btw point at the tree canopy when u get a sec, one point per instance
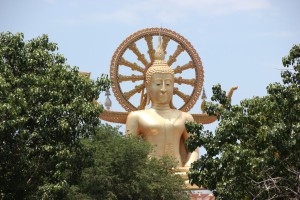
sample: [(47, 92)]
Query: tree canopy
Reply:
[(123, 170), (254, 152), (52, 144), (46, 107)]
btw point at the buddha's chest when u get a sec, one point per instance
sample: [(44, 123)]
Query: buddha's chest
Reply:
[(160, 125)]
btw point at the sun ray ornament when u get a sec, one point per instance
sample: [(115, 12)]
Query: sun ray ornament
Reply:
[(133, 58)]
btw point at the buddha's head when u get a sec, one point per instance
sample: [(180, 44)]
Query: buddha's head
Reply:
[(160, 79)]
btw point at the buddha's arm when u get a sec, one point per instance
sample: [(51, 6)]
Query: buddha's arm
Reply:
[(132, 124), (192, 157)]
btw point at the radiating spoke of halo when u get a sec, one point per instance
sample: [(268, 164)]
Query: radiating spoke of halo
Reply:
[(151, 50), (143, 100), (173, 57), (131, 78), (183, 96), (140, 56), (181, 80), (136, 54), (136, 89), (133, 66), (165, 42), (180, 69)]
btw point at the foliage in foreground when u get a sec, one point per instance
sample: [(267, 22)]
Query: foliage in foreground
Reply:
[(123, 170), (45, 109), (254, 153)]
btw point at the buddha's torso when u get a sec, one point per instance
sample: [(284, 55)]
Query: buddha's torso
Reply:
[(163, 129)]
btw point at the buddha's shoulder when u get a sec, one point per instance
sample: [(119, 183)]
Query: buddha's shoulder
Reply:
[(138, 113), (186, 115), (183, 115)]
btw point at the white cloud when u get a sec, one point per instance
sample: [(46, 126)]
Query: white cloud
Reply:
[(167, 11), (121, 15), (171, 10), (223, 7), (281, 34), (214, 6)]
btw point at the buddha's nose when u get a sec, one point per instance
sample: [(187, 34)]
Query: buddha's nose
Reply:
[(163, 89)]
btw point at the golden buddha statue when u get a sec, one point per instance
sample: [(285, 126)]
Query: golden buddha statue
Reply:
[(162, 125)]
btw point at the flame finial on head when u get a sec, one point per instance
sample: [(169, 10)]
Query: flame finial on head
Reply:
[(159, 53), (159, 65)]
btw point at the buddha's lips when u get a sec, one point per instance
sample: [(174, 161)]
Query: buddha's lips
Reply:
[(163, 96)]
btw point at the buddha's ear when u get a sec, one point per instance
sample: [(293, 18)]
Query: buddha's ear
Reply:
[(148, 96), (148, 99), (171, 104)]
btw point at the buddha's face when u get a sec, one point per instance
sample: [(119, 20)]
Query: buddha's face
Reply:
[(161, 88)]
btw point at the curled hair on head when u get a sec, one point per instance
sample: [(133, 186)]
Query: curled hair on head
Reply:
[(158, 68)]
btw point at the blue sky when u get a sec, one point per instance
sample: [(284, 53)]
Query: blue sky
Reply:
[(240, 42)]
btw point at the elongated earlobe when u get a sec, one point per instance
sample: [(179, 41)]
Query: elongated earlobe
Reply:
[(148, 99), (171, 104)]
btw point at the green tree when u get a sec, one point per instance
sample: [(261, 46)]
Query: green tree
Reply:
[(46, 107), (123, 170), (255, 150)]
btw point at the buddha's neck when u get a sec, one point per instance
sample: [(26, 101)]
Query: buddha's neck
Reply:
[(161, 107)]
